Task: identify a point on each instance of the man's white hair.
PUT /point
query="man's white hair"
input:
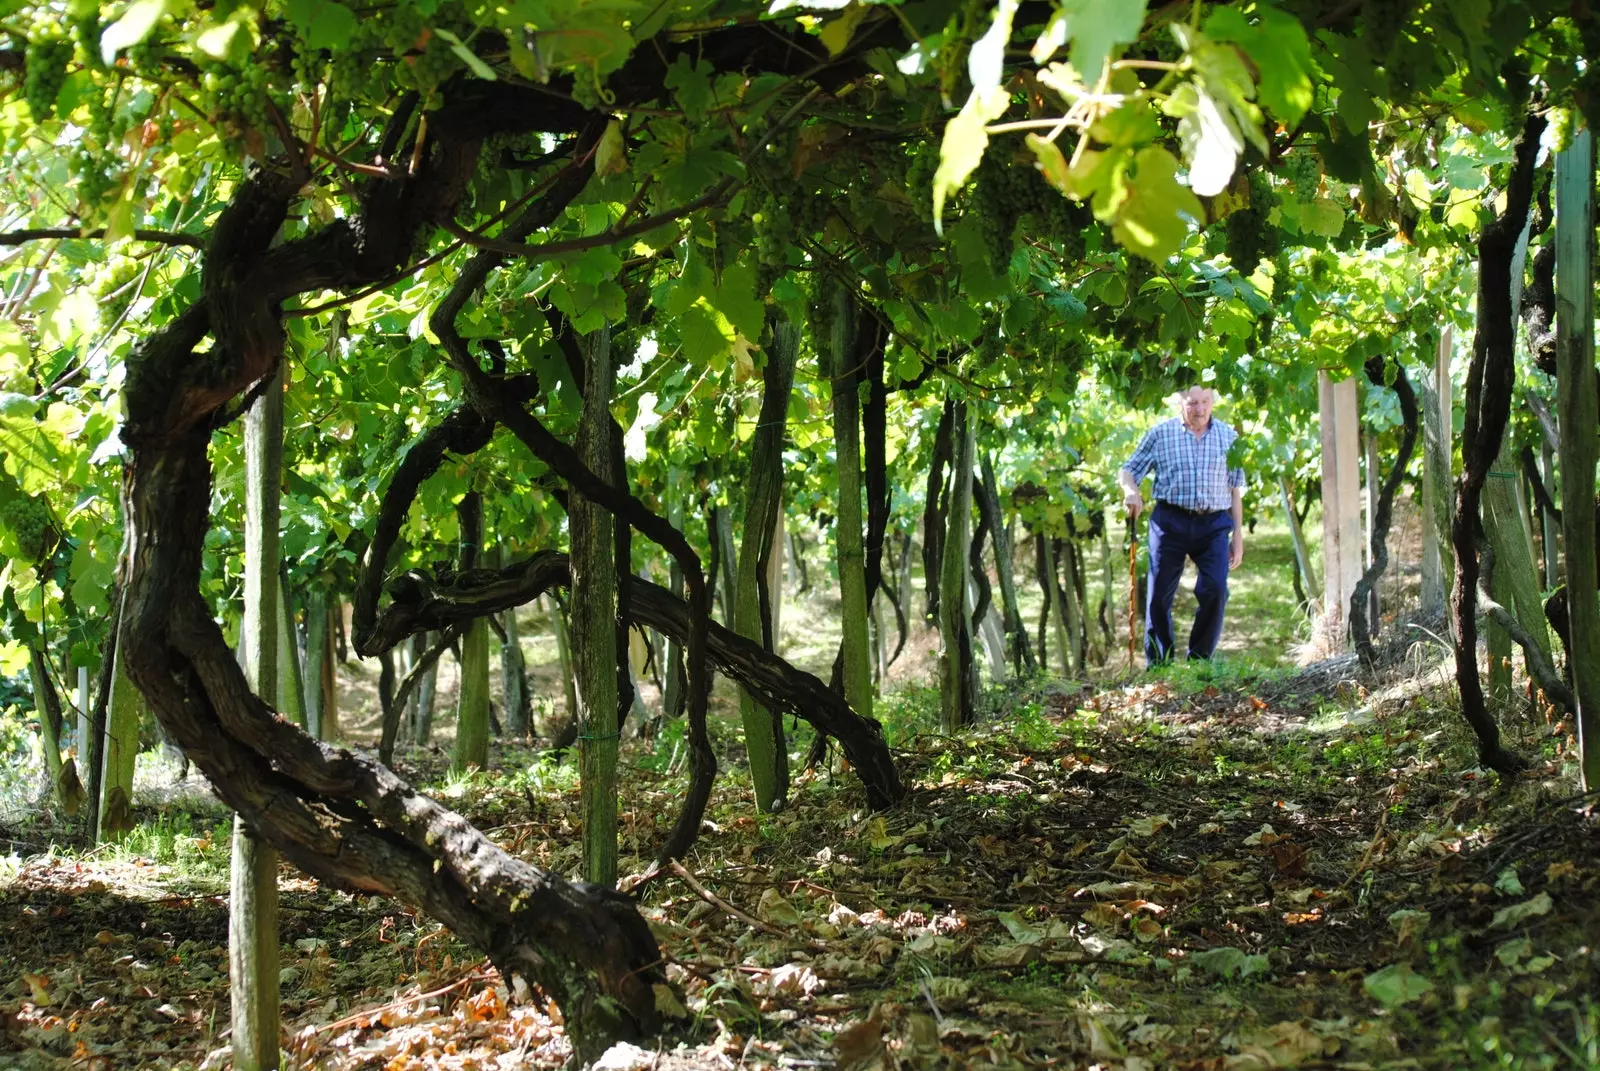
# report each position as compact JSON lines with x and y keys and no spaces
{"x":1177,"y":398}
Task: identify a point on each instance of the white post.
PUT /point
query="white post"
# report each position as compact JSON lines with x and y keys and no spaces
{"x":1341,"y":503}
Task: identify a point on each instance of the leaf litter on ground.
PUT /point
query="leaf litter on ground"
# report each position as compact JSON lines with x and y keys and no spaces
{"x":1129,"y":876}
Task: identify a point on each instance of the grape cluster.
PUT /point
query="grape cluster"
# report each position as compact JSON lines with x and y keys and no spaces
{"x":1008,"y":190}
{"x":113,"y":287}
{"x":919,"y":182}
{"x":1251,"y":236}
{"x":47,"y":60}
{"x":998,"y":202}
{"x":28,"y":518}
{"x":86,"y":28}
{"x":1303,"y":171}
{"x":237,"y":98}
{"x":773,"y":229}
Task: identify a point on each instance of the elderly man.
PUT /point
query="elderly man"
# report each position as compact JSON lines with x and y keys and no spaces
{"x":1198,"y":515}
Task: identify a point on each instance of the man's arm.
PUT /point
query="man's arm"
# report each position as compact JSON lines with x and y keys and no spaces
{"x":1135,"y":469}
{"x":1131,"y":499}
{"x":1236,"y":544}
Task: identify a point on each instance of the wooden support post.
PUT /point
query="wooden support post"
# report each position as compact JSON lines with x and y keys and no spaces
{"x":1438,"y":562}
{"x":1369,"y":501}
{"x":1341,"y":503}
{"x":253,"y":891}
{"x":1575,"y":394}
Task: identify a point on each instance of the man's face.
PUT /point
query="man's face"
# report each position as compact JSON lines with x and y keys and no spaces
{"x":1196,"y":403}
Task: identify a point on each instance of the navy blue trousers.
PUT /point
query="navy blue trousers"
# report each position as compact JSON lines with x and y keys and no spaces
{"x":1176,"y":537}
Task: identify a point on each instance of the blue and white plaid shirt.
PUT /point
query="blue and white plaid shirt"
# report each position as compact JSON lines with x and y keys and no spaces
{"x":1190,"y":472}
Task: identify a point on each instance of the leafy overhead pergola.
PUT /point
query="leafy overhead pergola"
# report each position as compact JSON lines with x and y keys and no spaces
{"x":539,"y":183}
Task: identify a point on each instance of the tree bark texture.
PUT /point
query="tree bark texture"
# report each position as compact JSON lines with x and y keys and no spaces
{"x":957,"y":692}
{"x":1361,"y":630}
{"x":987,"y":494}
{"x":121,"y":745}
{"x":94,"y":747}
{"x":1513,"y":547}
{"x":763,"y":509}
{"x":1488,"y":405}
{"x":319,"y":659}
{"x":1297,"y":536}
{"x":65,"y":786}
{"x":777,"y":684}
{"x":341,"y":818}
{"x":934,"y":507}
{"x":594,"y":619}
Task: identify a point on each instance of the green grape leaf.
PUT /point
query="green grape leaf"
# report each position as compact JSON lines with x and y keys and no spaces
{"x":690,"y":82}
{"x":1097,"y":28}
{"x":962,"y":148}
{"x":1395,"y":985}
{"x":231,"y":40}
{"x":1131,"y":125}
{"x":92,"y":577}
{"x":1357,"y":80}
{"x":14,"y":352}
{"x":1323,"y":216}
{"x":325,"y":23}
{"x":1066,"y":304}
{"x":1153,"y":210}
{"x":1281,"y":52}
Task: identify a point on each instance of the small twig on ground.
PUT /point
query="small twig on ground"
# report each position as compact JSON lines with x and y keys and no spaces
{"x":716,"y":901}
{"x":1366,"y":856}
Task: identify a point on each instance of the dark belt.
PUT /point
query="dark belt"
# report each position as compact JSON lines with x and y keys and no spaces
{"x":1190,"y":512}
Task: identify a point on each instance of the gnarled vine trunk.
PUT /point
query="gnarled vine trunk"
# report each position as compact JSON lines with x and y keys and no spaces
{"x":1488,"y":406}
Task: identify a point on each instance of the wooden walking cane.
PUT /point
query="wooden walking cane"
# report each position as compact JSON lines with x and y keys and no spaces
{"x":1133,"y":582}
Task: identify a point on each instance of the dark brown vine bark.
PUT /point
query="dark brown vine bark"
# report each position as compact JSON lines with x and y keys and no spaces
{"x":866,"y":360}
{"x":418,"y":604}
{"x":1490,"y":381}
{"x":341,"y":818}
{"x":933,"y":509}
{"x":986,"y":492}
{"x":484,"y":394}
{"x":1410,"y":417}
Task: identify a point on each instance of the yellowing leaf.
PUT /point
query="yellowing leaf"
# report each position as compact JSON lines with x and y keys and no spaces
{"x":610,"y":156}
{"x":965,"y":139}
{"x":775,"y":909}
{"x":1051,"y":163}
{"x":38,"y":989}
{"x":836,"y":35}
{"x":668,"y":1004}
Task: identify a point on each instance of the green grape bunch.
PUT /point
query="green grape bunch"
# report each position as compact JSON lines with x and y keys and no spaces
{"x":32,"y":527}
{"x":1251,"y":235}
{"x":47,"y":60}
